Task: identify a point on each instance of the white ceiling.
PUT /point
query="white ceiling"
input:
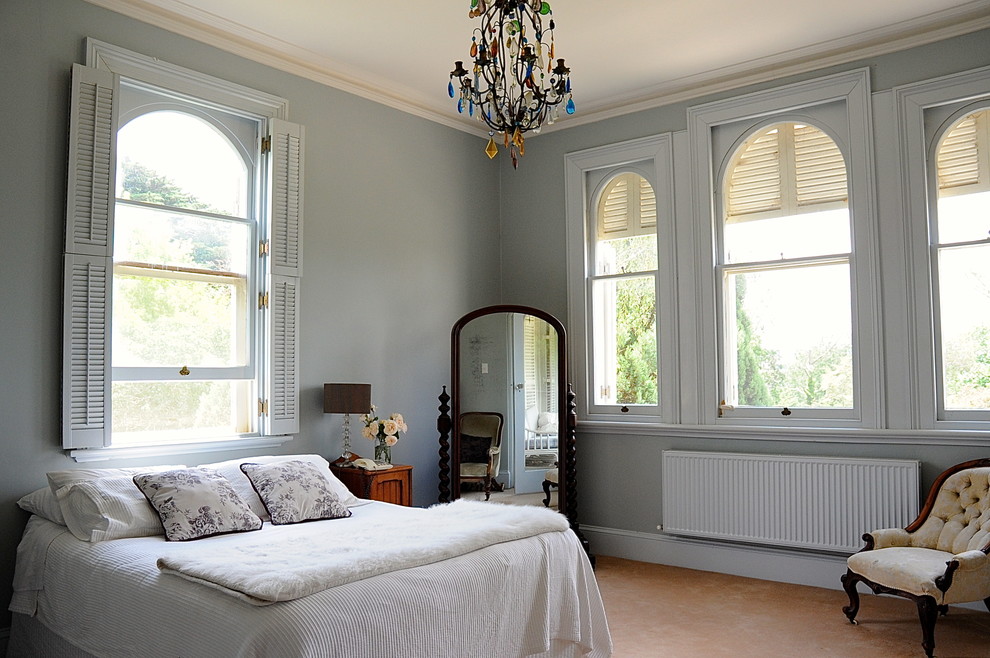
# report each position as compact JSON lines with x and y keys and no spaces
{"x":624,"y":55}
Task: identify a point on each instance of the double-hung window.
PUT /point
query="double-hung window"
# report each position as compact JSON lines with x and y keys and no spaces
{"x":784,"y":272}
{"x":789,"y":327}
{"x":960,"y":246}
{"x":944,"y":127}
{"x":182,"y":259}
{"x":621,"y":224}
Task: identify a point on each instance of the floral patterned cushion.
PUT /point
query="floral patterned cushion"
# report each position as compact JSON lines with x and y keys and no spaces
{"x":195,"y":503}
{"x":294,"y":491}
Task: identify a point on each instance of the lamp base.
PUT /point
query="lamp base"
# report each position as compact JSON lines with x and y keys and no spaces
{"x":346,"y":454}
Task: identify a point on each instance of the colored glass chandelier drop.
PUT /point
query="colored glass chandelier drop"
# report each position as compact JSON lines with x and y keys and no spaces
{"x":509,"y":79}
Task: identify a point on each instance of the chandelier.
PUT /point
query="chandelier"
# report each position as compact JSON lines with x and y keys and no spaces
{"x":511,"y":85}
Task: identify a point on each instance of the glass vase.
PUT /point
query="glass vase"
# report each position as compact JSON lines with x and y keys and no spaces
{"x":383,"y":452}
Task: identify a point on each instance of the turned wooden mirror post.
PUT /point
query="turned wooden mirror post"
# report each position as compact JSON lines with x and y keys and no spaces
{"x":452,"y":406}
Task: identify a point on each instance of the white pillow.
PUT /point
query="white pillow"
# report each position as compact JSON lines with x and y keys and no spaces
{"x":43,"y":503}
{"x":231,"y":469}
{"x":294,"y":491}
{"x":195,"y":503}
{"x":108,"y":508}
{"x":59,"y":479}
{"x":87,"y":516}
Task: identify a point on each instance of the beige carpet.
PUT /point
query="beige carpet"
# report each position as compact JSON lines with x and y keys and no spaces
{"x":510,"y":497}
{"x":656,"y":610}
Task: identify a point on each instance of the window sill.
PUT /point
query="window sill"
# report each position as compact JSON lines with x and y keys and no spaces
{"x":106,"y":454}
{"x":855,"y":435}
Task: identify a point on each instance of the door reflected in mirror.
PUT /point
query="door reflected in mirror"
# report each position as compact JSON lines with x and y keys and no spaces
{"x":508,"y":365}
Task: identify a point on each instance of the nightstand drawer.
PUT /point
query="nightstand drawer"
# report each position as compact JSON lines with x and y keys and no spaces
{"x":393,"y":485}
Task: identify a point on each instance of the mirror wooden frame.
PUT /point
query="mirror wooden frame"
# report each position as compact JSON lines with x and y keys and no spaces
{"x":450,"y":408}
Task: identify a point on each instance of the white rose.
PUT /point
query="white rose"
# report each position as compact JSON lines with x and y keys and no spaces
{"x":391,"y":427}
{"x":391,"y":440}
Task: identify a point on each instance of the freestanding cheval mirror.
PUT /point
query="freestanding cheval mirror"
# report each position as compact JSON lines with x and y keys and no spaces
{"x":510,"y":361}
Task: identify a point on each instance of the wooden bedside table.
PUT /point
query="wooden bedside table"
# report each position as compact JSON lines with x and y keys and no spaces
{"x":393,"y":485}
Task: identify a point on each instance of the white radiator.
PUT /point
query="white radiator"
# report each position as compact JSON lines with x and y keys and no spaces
{"x":819,"y":503}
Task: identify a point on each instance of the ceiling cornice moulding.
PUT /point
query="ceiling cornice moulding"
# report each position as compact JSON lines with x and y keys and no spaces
{"x":188,"y":21}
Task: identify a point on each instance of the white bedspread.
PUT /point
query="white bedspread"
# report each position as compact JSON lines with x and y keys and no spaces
{"x":262,"y":570}
{"x":535,"y":596}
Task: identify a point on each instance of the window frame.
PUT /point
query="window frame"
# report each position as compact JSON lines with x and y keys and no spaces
{"x":244,"y":377}
{"x":727,"y":360}
{"x":89,"y":246}
{"x":923,"y":111}
{"x":651,"y":158}
{"x":840,"y":105}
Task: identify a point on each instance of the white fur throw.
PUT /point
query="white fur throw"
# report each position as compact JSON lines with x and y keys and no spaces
{"x":261,"y":571}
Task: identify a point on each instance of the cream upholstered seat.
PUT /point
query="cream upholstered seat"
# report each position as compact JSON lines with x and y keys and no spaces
{"x":938,"y":560}
{"x":480,"y":447}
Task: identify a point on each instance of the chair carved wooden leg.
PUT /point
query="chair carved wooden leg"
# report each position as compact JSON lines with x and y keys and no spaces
{"x":488,"y":488}
{"x":849,"y":581}
{"x":928,"y":613}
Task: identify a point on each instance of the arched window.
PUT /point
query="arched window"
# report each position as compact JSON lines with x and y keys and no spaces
{"x":785,"y":272}
{"x":183,"y":227}
{"x":960,"y":236}
{"x":624,"y":293}
{"x":183,"y":261}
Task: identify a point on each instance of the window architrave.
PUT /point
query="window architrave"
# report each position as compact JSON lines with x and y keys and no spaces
{"x":651,"y":158}
{"x":924,"y":111}
{"x":840,"y":105}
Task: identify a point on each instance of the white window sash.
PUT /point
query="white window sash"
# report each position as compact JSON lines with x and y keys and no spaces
{"x":844,"y":100}
{"x":922,"y":111}
{"x":581,"y":235}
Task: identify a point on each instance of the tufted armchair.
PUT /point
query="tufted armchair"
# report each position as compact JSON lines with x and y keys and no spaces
{"x":938,"y":560}
{"x":481,"y":448}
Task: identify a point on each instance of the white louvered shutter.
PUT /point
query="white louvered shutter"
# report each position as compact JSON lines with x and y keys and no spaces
{"x":284,"y":280}
{"x":819,"y":169}
{"x":755,"y":180}
{"x":283,"y":380}
{"x":88,"y":259}
{"x":287,"y":197}
{"x":786,"y":170}
{"x":529,"y":362}
{"x":627,"y":208}
{"x":964,"y":157}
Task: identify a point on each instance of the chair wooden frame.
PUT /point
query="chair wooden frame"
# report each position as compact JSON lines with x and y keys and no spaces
{"x":928,"y":608}
{"x":488,"y":479}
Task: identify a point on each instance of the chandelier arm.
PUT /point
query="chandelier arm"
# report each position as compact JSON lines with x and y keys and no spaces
{"x":511,"y":80}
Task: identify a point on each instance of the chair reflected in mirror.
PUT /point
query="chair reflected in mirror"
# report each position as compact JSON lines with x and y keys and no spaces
{"x":481,"y":449}
{"x":550,"y":479}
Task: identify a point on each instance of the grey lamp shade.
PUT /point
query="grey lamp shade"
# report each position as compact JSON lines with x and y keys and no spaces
{"x":346,"y":398}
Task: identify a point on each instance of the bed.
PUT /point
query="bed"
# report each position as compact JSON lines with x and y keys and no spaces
{"x":464,"y":579}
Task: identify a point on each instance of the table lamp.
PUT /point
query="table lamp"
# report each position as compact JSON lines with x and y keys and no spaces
{"x":346,"y":399}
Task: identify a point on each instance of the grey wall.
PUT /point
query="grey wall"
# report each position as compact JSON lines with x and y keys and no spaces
{"x":618,"y":466}
{"x":396,"y":249}
{"x":485,"y":368}
{"x":407,"y":228}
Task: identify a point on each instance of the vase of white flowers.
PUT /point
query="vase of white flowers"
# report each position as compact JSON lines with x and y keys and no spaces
{"x":385,"y":433}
